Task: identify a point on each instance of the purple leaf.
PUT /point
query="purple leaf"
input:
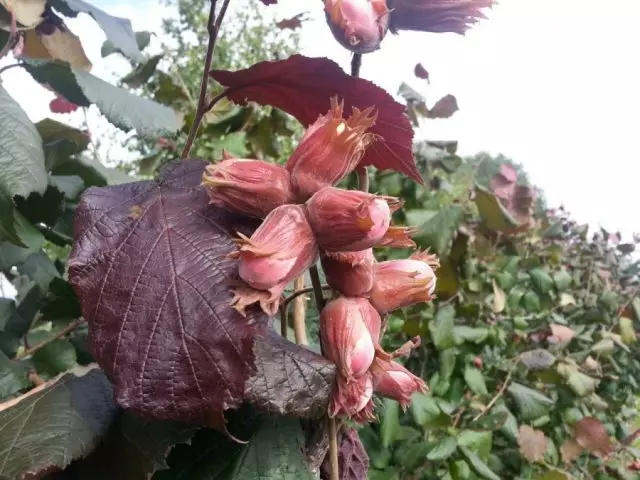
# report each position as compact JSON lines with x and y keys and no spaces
{"x":353,"y":460}
{"x":152,"y":270}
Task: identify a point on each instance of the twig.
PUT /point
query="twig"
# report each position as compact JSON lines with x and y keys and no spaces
{"x":69,"y":328}
{"x":299,"y":326}
{"x":317,"y":287}
{"x":363,"y":179}
{"x":213,"y":27}
{"x":284,"y":322}
{"x":356,"y":63}
{"x":333,"y":449}
{"x":9,"y":67}
{"x":295,"y":295}
{"x":499,"y":393}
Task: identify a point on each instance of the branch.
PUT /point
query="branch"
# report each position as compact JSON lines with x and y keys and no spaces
{"x":317,"y":288}
{"x":499,"y":393}
{"x":213,"y":28}
{"x":69,"y":328}
{"x":333,"y":449}
{"x":299,"y":311}
{"x":363,"y":178}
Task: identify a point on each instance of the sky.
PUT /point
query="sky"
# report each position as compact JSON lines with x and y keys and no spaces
{"x":553,"y":84}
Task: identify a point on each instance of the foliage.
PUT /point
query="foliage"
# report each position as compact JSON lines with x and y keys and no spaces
{"x":530,"y":350}
{"x":124,"y":359}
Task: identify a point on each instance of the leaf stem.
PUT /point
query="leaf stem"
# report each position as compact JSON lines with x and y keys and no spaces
{"x":299,"y":311}
{"x":213,"y":27}
{"x":53,"y":236}
{"x":69,"y":328}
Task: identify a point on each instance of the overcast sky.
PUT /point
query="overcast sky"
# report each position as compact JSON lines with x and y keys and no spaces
{"x":553,"y":84}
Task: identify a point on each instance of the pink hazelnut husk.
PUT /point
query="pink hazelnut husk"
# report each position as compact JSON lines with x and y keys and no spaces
{"x":401,"y":283}
{"x":350,"y":273}
{"x":348,"y":331}
{"x":330,"y":149}
{"x":352,"y":399}
{"x":349,"y":220}
{"x":249,"y":187}
{"x":281,"y":249}
{"x":392,"y":380}
{"x":358,"y":25}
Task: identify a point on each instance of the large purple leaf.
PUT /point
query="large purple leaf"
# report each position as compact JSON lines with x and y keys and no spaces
{"x":152,"y":269}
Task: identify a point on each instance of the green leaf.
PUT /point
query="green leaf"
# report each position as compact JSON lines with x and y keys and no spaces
{"x":390,"y":424}
{"x":477,"y":335}
{"x":541,"y":280}
{"x":437,"y":233}
{"x":447,"y":360}
{"x":55,"y":357}
{"x":51,"y":131}
{"x":118,"y":30}
{"x":493,"y":214}
{"x":91,"y":171}
{"x":13,"y":376}
{"x":11,"y":255}
{"x":274,"y":452}
{"x":443,"y":449}
{"x":56,"y":423}
{"x":478,"y":465}
{"x":478,"y":442}
{"x":424,"y":409}
{"x":39,"y":268}
{"x":70,"y":185}
{"x":123,"y":109}
{"x":531,"y":302}
{"x":419,"y":217}
{"x":8,"y":230}
{"x":510,"y":428}
{"x":442,"y":328}
{"x":531,"y":403}
{"x":142,"y":73}
{"x":562,"y":280}
{"x":475,"y":380}
{"x":21,"y":154}
{"x":142,"y":39}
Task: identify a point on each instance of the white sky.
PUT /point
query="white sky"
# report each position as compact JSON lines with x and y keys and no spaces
{"x":553,"y":84}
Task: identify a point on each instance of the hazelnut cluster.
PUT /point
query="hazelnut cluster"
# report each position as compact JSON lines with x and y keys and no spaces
{"x":306,"y":218}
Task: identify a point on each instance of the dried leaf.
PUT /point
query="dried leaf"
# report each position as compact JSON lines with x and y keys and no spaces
{"x":291,"y":23}
{"x":28,"y":13}
{"x":56,"y":42}
{"x":499,"y":298}
{"x":570,"y":450}
{"x":561,"y":333}
{"x":303,"y":86}
{"x":532,"y":443}
{"x":444,"y":108}
{"x":591,"y":434}
{"x":517,"y":199}
{"x":421,"y":72}
{"x":155,"y":289}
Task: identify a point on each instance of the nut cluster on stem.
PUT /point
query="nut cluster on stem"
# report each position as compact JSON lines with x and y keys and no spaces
{"x":305,"y":218}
